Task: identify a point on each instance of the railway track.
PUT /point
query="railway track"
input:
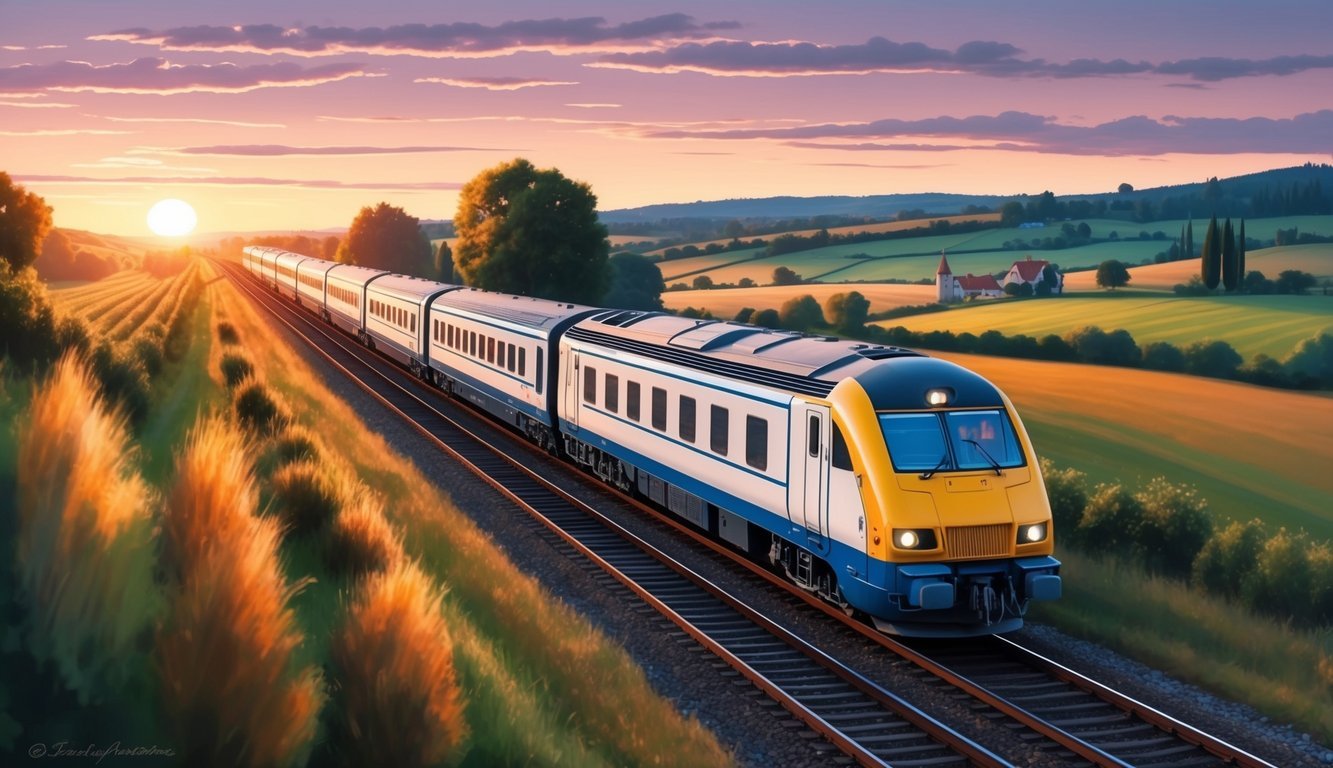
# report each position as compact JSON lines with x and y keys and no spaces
{"x":1072,"y":719}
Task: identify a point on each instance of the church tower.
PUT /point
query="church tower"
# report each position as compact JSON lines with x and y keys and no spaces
{"x":946,"y":287}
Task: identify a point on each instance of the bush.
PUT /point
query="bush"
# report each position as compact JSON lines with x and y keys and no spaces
{"x":84,"y":537}
{"x":398,"y":700}
{"x":72,"y":336}
{"x":235,"y":369}
{"x":257,"y":410}
{"x":801,"y":313}
{"x":295,"y":443}
{"x":1281,"y":580}
{"x":27,"y":321}
{"x":1225,"y":562}
{"x":1111,"y":520}
{"x":304,"y":497}
{"x":227,"y":333}
{"x":361,"y":540}
{"x":1212,"y":358}
{"x":123,"y":380}
{"x":1312,"y":360}
{"x":1067,"y":490}
{"x":1163,"y":356}
{"x":1093,"y":345}
{"x":1174,"y":528}
{"x":148,"y":354}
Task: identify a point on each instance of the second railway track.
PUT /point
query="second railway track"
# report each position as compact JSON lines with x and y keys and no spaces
{"x":1074,"y":721}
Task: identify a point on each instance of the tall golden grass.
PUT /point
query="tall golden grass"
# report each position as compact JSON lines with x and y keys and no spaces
{"x":85,"y":534}
{"x":361,"y":540}
{"x":230,"y":689}
{"x":393,"y":659}
{"x":304,"y":496}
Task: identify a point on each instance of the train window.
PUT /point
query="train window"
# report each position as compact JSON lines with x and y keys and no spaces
{"x":523,"y":365}
{"x":612,"y":393}
{"x":632,"y":399}
{"x":449,"y":335}
{"x":490,"y":349}
{"x":842,"y":459}
{"x":522,"y":359}
{"x":756,"y":442}
{"x":500,"y":354}
{"x":719,"y":429}
{"x":659,"y":409}
{"x":812,"y":435}
{"x":686,"y":419}
{"x":472,"y":343}
{"x":510,"y":363}
{"x":414,"y":323}
{"x":589,"y":384}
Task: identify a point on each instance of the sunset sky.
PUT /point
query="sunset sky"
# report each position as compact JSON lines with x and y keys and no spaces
{"x":293,"y":115}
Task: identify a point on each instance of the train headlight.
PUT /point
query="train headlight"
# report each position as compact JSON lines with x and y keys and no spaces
{"x":1031,"y":534}
{"x":913,"y":538}
{"x":938,"y":397}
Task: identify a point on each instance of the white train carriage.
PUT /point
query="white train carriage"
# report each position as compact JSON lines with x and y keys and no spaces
{"x":311,"y":278}
{"x":497,"y":350}
{"x":345,"y":297}
{"x":396,"y":310}
{"x":252,"y":257}
{"x":268,"y":270}
{"x":284,"y":266}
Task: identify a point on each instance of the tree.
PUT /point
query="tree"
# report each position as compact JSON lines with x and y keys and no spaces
{"x":703,"y":283}
{"x":1212,"y":358}
{"x":1125,"y":189}
{"x":767,"y":318}
{"x":847,"y":311}
{"x":1112,"y":274}
{"x":1240,"y":249}
{"x":1230,"y":267}
{"x":1011,"y":214}
{"x":385,"y":237}
{"x":532,"y":232}
{"x":1312,"y":359}
{"x":784,"y":276}
{"x":801,"y":314}
{"x":1212,"y":256}
{"x":1293,"y":281}
{"x":1189,"y":239}
{"x":636,"y":283}
{"x":25,"y":218}
{"x":444,"y":263}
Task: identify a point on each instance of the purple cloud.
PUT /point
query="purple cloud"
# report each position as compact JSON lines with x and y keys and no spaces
{"x":242,"y":181}
{"x":493,"y":83}
{"x":277,"y":150}
{"x":450,"y":40}
{"x":159,"y":76}
{"x":988,"y":58}
{"x":1020,"y":131}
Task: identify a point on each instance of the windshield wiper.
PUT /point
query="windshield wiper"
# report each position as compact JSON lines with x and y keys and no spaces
{"x":931,"y":473}
{"x":995,"y":465}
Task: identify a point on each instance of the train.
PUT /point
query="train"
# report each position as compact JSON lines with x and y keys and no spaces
{"x":900,"y":487}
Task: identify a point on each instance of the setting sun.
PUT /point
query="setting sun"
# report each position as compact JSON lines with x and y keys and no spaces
{"x":171,"y":218}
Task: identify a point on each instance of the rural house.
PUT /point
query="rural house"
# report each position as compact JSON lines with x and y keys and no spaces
{"x":1030,"y":271}
{"x":950,"y":288}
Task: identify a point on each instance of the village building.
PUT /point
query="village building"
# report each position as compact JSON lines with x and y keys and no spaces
{"x":1029,"y":271}
{"x":950,"y":288}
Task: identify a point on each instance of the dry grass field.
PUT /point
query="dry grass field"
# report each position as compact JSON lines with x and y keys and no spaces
{"x":1317,"y":259}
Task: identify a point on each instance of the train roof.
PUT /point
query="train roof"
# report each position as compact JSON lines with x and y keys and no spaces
{"x":784,"y":360}
{"x":313,"y":264}
{"x":537,"y":314}
{"x":415,"y":289}
{"x":358,"y":276}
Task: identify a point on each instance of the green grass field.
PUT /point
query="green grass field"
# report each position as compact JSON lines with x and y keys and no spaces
{"x":1272,"y":325}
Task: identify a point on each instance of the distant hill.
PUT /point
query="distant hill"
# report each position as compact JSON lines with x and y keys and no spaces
{"x":1235,"y":188}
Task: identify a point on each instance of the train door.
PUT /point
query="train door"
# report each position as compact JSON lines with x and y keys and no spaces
{"x":813,"y":446}
{"x":571,"y":393}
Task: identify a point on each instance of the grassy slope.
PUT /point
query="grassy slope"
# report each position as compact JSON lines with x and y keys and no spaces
{"x":1251,"y":451}
{"x":1317,"y":259}
{"x":881,"y":226}
{"x":724,"y":303}
{"x":1252,"y":324}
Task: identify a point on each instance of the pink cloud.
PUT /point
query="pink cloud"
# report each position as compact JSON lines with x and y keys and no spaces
{"x":493,"y":83}
{"x":240,"y":181}
{"x":159,"y":76}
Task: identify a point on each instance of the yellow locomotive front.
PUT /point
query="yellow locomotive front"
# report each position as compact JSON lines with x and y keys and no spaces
{"x":958,"y":526}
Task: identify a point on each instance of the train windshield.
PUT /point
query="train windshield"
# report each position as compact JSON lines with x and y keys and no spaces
{"x":951,"y":441}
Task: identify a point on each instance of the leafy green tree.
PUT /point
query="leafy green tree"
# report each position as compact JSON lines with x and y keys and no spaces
{"x":1163,"y":356}
{"x":636,"y":283}
{"x":1280,"y":582}
{"x":1212,"y":358}
{"x":784,"y":276}
{"x":1111,"y":520}
{"x":1112,"y":274}
{"x":1175,"y":526}
{"x":801,"y":313}
{"x":25,"y":218}
{"x":532,"y":232}
{"x":1067,"y":490}
{"x":703,"y":283}
{"x":1293,"y":281}
{"x":744,"y":315}
{"x":1312,"y":359}
{"x":1093,"y":345}
{"x":1256,"y":283}
{"x":1230,"y":266}
{"x":1212,"y":256}
{"x":847,"y":312}
{"x":768,"y":318}
{"x":386,"y":237}
{"x":1011,"y":214}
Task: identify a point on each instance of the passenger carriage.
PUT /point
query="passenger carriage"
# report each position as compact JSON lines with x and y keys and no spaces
{"x":310,"y":283}
{"x":345,"y":297}
{"x":395,"y":319}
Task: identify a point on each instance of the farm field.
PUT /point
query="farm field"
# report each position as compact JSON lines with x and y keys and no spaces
{"x":1315,"y":258}
{"x":881,"y":226}
{"x":1272,"y":325}
{"x":724,"y":303}
{"x":1251,"y":451}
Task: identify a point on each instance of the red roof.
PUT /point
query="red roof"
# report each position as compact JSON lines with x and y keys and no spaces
{"x":944,"y":265}
{"x":982,"y":283}
{"x":1029,"y":270}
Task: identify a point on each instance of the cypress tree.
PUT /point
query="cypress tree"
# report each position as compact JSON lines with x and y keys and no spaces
{"x":1230,"y":280}
{"x":1212,"y":256}
{"x":1240,"y":252}
{"x":1189,"y":239}
{"x":1184,"y":254}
